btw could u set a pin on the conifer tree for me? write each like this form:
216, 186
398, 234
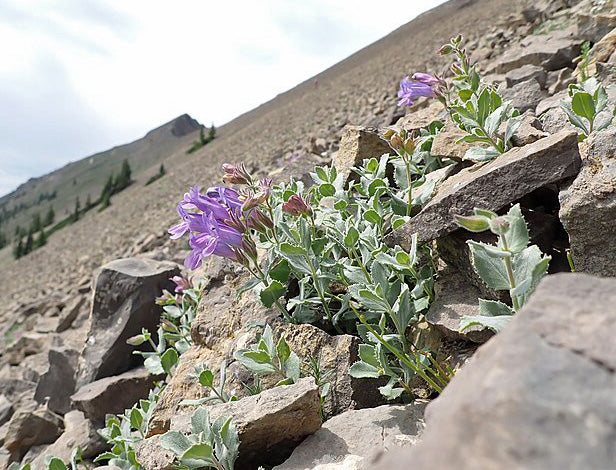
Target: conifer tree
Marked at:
18, 249
42, 238
29, 244
36, 225
49, 217
77, 209
202, 136
212, 133
3, 241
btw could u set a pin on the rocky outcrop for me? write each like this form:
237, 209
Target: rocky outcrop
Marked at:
122, 305
538, 395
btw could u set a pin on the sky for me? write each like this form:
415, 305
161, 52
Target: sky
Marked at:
81, 76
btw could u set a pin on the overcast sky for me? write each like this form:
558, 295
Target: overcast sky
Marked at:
81, 76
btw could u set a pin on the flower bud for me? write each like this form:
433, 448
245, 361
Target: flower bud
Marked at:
296, 206
473, 223
499, 225
235, 174
446, 49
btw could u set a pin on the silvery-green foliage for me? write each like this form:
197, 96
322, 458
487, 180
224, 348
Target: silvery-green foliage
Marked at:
218, 394
208, 445
122, 432
18, 466
173, 334
477, 108
586, 101
56, 463
268, 357
509, 265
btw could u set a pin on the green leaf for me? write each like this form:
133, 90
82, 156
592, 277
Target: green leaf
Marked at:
362, 370
340, 205
465, 95
136, 418
471, 139
512, 126
517, 233
389, 392
320, 172
258, 362
55, 464
368, 354
169, 359
289, 249
175, 441
600, 99
582, 104
198, 456
478, 154
200, 421
280, 272
272, 293
495, 324
351, 237
283, 350
494, 308
473, 223
491, 270
494, 120
483, 105
206, 378
574, 118
327, 189
153, 365
372, 216
403, 310
292, 367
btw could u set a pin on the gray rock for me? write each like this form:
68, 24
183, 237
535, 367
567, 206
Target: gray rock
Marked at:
78, 432
112, 394
588, 207
551, 51
28, 428
70, 312
444, 144
6, 409
27, 344
57, 384
123, 304
270, 424
594, 26
356, 144
530, 130
555, 120
538, 395
455, 297
525, 95
559, 80
493, 185
348, 440
524, 73
551, 102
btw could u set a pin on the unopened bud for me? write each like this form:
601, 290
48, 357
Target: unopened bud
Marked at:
446, 49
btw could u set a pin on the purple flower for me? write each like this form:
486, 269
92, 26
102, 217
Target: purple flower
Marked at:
180, 284
218, 239
235, 174
425, 78
410, 89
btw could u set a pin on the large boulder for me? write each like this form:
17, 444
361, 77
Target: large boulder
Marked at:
122, 305
538, 395
588, 207
351, 439
493, 185
57, 384
30, 427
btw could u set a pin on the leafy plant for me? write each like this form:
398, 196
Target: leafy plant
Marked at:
209, 445
269, 357
583, 61
55, 463
123, 431
477, 108
321, 379
587, 100
509, 265
173, 334
206, 379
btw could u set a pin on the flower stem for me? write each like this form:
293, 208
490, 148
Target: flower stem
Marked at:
510, 275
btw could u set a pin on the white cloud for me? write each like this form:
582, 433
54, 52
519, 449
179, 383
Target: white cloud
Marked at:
79, 77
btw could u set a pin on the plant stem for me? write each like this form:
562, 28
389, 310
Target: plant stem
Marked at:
261, 277
510, 276
317, 286
408, 178
401, 357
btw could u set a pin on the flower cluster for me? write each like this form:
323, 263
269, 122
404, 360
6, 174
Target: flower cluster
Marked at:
420, 84
206, 217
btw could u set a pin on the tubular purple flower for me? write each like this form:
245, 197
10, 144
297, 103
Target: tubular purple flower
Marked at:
425, 78
235, 174
409, 90
180, 284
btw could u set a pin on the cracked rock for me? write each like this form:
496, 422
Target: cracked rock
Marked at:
544, 387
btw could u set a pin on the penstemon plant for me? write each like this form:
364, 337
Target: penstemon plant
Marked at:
208, 445
587, 100
122, 432
56, 463
511, 265
323, 257
475, 107
173, 334
217, 392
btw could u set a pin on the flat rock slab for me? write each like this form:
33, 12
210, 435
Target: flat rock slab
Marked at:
356, 144
493, 185
113, 394
539, 395
122, 305
347, 440
269, 426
